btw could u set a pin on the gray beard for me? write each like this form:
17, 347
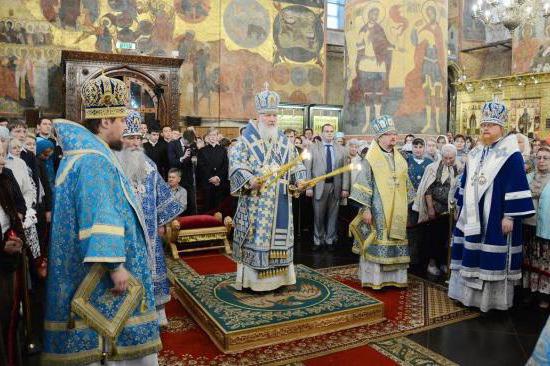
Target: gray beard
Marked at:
268, 133
133, 163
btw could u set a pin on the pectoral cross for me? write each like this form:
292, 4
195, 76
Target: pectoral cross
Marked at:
393, 181
479, 178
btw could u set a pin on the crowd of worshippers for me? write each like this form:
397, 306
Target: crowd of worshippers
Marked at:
196, 169
194, 164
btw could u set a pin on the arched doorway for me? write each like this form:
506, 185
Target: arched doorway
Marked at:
144, 96
152, 83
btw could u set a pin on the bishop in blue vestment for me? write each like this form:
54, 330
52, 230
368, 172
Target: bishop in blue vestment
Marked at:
263, 242
157, 201
97, 220
493, 197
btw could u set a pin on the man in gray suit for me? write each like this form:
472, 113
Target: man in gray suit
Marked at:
326, 156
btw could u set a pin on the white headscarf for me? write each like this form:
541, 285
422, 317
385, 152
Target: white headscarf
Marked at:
527, 150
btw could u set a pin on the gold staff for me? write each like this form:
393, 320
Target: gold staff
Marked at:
295, 191
273, 175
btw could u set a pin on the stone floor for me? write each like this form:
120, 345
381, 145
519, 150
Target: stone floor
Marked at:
495, 338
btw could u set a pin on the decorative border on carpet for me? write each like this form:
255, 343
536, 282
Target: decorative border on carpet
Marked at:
406, 352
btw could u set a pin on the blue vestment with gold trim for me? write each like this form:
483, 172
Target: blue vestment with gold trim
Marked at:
264, 233
96, 219
159, 207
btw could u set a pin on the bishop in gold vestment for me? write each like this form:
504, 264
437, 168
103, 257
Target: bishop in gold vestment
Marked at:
379, 230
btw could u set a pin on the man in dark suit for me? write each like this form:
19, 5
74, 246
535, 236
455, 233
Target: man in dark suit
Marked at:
213, 165
157, 150
182, 154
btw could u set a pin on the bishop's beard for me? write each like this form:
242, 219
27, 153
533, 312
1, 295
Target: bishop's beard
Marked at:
268, 132
488, 140
133, 163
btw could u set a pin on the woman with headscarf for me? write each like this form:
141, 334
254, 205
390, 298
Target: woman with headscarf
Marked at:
433, 197
525, 149
339, 137
440, 141
44, 148
23, 176
353, 157
12, 208
21, 171
536, 274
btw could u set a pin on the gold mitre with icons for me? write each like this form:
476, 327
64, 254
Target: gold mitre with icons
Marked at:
104, 97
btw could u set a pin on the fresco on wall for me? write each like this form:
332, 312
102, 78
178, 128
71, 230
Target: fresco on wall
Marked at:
192, 11
396, 64
531, 48
298, 35
246, 23
288, 53
229, 47
29, 64
472, 30
453, 29
308, 3
475, 31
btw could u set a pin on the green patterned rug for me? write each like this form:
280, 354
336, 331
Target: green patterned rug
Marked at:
238, 320
409, 353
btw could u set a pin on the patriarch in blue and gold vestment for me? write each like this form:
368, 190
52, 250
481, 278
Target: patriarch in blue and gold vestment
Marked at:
97, 221
263, 243
493, 198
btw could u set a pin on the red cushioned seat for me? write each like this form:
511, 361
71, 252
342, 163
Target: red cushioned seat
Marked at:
198, 222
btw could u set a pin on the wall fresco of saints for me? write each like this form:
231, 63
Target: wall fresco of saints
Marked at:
396, 64
531, 47
229, 47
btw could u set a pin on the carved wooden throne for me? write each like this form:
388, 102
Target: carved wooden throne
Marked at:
152, 82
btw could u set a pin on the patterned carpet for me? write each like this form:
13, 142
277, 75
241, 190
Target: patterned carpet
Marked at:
421, 306
406, 352
314, 298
